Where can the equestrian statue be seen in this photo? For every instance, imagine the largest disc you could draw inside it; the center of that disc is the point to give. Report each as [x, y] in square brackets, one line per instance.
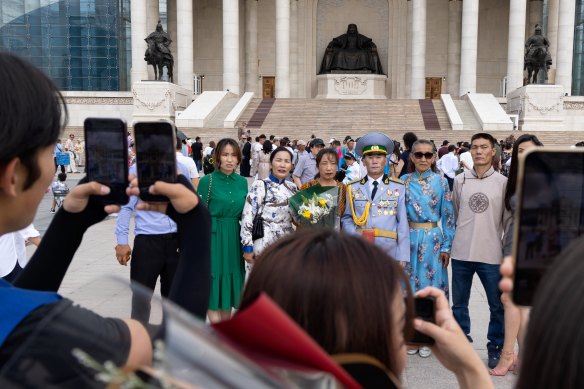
[158, 54]
[537, 56]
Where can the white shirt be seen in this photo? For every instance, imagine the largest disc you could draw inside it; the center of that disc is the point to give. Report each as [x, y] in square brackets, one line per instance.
[13, 249]
[370, 182]
[448, 164]
[353, 173]
[467, 159]
[207, 151]
[189, 164]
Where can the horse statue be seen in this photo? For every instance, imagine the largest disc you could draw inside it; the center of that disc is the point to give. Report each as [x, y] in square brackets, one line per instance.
[537, 56]
[158, 54]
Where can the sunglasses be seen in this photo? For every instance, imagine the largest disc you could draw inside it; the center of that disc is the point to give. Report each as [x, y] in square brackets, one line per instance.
[419, 155]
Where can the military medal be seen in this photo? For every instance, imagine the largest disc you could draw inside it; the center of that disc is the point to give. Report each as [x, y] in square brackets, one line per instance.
[386, 212]
[389, 192]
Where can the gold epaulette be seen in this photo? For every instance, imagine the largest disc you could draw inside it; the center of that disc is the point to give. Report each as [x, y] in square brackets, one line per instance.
[397, 180]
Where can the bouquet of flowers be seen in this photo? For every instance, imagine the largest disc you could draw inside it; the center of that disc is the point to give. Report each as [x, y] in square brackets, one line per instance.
[315, 206]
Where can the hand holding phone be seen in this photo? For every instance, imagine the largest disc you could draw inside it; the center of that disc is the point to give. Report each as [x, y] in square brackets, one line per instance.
[155, 157]
[425, 309]
[106, 155]
[549, 216]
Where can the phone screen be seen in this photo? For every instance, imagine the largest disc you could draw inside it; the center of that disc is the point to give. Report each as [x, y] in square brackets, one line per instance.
[106, 150]
[426, 310]
[155, 156]
[549, 216]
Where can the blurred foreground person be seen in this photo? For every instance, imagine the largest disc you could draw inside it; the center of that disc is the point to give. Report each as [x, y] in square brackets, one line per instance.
[550, 356]
[302, 274]
[514, 322]
[39, 329]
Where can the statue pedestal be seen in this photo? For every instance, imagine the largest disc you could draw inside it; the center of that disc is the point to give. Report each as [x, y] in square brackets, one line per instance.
[540, 107]
[351, 86]
[155, 100]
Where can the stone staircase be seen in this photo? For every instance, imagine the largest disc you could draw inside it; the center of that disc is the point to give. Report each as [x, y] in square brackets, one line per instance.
[469, 120]
[216, 121]
[300, 118]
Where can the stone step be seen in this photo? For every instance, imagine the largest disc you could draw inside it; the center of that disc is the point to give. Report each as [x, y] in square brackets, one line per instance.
[218, 118]
[469, 120]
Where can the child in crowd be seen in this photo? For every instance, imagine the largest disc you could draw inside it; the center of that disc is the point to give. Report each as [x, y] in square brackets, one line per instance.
[60, 190]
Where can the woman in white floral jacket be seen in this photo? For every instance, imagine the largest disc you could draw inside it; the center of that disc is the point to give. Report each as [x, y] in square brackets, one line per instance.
[269, 197]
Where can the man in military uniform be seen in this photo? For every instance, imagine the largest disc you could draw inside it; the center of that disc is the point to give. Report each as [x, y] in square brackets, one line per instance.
[376, 204]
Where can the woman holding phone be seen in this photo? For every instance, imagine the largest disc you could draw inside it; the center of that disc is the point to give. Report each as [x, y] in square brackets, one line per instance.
[515, 318]
[224, 192]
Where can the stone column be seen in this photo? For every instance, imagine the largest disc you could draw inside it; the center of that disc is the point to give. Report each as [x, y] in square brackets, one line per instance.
[418, 83]
[251, 48]
[293, 48]
[552, 35]
[231, 46]
[153, 15]
[468, 47]
[171, 25]
[565, 51]
[409, 33]
[516, 44]
[535, 15]
[184, 44]
[454, 27]
[139, 32]
[282, 48]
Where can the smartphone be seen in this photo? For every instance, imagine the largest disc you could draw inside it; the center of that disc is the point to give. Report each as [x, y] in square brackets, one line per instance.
[549, 214]
[155, 156]
[425, 308]
[106, 155]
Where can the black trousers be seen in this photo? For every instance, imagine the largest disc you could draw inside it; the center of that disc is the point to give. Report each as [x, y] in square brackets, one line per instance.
[56, 166]
[152, 256]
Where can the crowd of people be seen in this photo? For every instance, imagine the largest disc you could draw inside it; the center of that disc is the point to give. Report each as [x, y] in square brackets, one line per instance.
[403, 217]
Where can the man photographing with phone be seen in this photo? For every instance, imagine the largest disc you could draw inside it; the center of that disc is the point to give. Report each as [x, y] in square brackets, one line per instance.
[481, 219]
[155, 252]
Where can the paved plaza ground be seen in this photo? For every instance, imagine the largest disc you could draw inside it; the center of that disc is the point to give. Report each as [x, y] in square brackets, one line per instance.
[96, 280]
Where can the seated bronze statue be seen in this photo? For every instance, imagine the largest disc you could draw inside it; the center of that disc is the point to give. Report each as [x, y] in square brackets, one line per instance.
[351, 52]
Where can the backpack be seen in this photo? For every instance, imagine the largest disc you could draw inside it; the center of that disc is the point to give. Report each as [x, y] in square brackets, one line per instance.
[208, 167]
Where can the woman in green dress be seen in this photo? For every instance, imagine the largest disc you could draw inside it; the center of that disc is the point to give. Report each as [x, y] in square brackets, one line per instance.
[224, 192]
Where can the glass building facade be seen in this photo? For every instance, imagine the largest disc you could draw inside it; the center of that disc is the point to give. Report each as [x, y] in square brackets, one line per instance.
[578, 62]
[83, 45]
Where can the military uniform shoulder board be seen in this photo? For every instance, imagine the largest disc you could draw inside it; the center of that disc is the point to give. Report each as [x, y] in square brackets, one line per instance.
[397, 180]
[355, 182]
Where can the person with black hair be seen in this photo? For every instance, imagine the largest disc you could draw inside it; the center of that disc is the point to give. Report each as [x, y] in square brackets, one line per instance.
[245, 167]
[515, 319]
[224, 192]
[269, 199]
[404, 163]
[481, 221]
[261, 162]
[36, 335]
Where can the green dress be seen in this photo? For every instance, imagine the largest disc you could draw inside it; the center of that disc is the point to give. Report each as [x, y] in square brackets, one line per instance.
[226, 201]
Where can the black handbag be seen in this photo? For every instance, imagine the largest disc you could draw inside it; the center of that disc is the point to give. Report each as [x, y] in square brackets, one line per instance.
[257, 228]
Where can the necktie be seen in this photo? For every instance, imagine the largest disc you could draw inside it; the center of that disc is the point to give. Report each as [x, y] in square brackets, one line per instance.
[375, 183]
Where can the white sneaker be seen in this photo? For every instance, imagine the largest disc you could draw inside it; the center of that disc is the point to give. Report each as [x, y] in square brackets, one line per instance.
[412, 351]
[425, 352]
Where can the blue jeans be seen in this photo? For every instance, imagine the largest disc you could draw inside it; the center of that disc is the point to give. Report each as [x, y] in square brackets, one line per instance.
[462, 275]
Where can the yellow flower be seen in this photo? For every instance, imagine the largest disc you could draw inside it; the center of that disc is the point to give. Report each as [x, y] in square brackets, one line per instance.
[322, 202]
[306, 214]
